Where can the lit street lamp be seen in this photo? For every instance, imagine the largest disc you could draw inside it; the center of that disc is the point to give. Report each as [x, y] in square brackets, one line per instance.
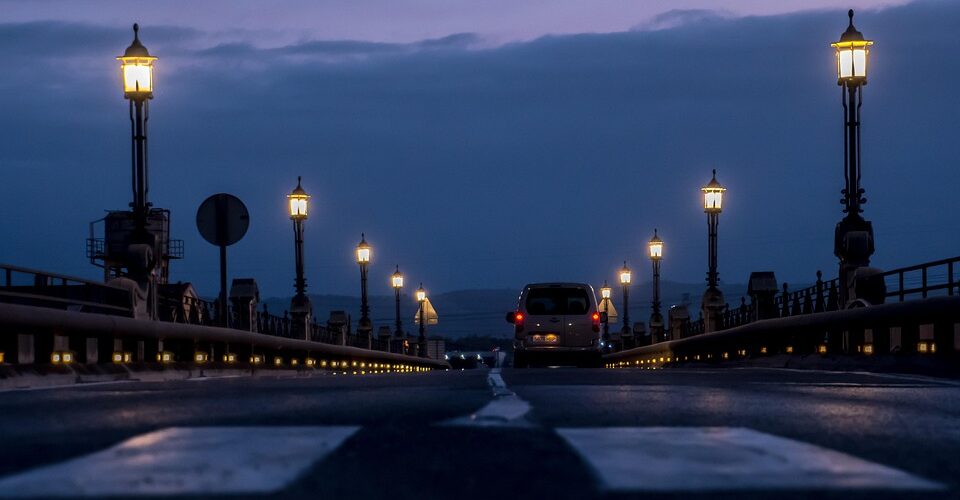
[136, 69]
[712, 303]
[605, 293]
[853, 237]
[422, 339]
[365, 327]
[625, 278]
[655, 248]
[397, 281]
[300, 308]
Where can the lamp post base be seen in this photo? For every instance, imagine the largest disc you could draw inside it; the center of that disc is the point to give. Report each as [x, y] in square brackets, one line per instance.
[301, 314]
[853, 245]
[712, 307]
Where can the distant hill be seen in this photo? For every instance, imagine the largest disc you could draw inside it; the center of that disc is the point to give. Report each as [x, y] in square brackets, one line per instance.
[481, 312]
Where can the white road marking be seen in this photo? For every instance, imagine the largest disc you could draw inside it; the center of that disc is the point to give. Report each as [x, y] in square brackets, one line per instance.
[891, 376]
[724, 458]
[506, 409]
[73, 385]
[185, 460]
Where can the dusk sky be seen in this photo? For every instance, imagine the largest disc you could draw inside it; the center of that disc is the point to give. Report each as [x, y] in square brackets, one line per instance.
[482, 144]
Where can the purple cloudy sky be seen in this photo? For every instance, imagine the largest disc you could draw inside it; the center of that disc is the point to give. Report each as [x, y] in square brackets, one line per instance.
[270, 22]
[482, 144]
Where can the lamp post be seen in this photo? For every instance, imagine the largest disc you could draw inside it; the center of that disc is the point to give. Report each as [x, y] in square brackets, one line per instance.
[397, 281]
[422, 339]
[136, 68]
[300, 308]
[625, 278]
[365, 327]
[605, 293]
[712, 303]
[853, 237]
[655, 248]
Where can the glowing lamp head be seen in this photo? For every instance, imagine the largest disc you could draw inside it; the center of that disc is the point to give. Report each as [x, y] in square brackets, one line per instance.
[136, 68]
[605, 291]
[421, 294]
[397, 279]
[713, 195]
[853, 50]
[625, 275]
[655, 246]
[299, 201]
[363, 251]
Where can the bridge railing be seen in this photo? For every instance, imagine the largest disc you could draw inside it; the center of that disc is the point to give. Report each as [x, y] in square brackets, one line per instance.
[919, 327]
[32, 334]
[922, 280]
[20, 285]
[31, 287]
[919, 281]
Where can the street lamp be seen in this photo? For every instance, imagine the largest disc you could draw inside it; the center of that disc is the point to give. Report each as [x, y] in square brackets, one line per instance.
[605, 293]
[712, 303]
[136, 71]
[655, 248]
[397, 281]
[300, 309]
[853, 236]
[363, 259]
[625, 278]
[422, 339]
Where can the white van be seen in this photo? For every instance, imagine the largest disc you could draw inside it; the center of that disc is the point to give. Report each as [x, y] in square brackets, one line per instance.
[557, 324]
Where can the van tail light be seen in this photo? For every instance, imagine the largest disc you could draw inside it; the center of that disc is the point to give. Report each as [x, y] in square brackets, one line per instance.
[596, 321]
[518, 322]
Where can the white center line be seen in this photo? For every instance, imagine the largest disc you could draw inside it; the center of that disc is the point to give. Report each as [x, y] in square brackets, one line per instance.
[506, 409]
[185, 461]
[692, 459]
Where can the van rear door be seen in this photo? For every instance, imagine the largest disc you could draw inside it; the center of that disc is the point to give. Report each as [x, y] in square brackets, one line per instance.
[544, 322]
[577, 319]
[560, 310]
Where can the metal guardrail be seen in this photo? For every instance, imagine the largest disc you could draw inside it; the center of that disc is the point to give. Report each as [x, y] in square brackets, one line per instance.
[828, 332]
[179, 342]
[928, 279]
[918, 281]
[20, 285]
[24, 286]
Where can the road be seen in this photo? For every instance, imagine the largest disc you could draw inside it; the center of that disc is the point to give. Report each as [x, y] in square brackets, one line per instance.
[550, 433]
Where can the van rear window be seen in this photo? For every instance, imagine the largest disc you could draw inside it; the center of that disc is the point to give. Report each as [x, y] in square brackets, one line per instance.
[558, 301]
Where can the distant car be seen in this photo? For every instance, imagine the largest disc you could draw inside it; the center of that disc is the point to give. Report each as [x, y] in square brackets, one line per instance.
[463, 361]
[557, 324]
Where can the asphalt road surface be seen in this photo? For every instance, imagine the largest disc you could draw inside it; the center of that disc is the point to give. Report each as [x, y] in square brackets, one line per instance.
[544, 433]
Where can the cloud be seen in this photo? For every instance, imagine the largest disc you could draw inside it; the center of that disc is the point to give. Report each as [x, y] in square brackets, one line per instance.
[477, 166]
[682, 17]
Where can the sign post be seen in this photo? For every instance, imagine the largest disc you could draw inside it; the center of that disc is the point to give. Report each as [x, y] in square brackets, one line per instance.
[223, 220]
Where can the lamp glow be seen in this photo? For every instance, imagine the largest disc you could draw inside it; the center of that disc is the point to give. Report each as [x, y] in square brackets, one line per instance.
[397, 279]
[713, 195]
[136, 69]
[626, 276]
[363, 251]
[852, 54]
[655, 247]
[298, 200]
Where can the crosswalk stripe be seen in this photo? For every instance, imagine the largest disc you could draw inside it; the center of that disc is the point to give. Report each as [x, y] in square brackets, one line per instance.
[185, 460]
[692, 459]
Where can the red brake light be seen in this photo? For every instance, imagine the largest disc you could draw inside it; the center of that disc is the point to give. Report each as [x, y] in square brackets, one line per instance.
[596, 316]
[518, 322]
[519, 318]
[596, 321]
